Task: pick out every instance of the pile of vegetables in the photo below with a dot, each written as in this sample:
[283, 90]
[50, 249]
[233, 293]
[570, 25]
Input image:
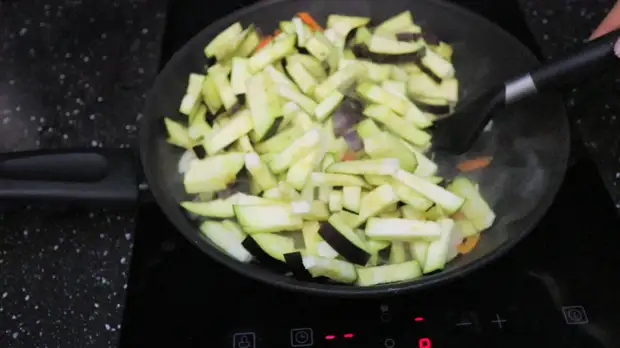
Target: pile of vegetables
[306, 150]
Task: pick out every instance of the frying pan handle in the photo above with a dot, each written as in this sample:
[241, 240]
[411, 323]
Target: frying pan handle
[102, 177]
[594, 55]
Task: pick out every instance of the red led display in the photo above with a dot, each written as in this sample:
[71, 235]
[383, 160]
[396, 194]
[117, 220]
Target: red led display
[330, 337]
[424, 343]
[349, 335]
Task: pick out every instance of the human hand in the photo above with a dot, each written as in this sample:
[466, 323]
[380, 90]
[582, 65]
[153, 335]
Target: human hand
[611, 22]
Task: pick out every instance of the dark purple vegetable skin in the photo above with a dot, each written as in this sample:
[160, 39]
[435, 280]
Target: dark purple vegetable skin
[262, 257]
[274, 128]
[241, 184]
[355, 142]
[361, 51]
[342, 245]
[428, 71]
[347, 115]
[408, 36]
[199, 151]
[295, 263]
[435, 109]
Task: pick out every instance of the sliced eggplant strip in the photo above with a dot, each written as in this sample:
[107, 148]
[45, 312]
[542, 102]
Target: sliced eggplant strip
[328, 105]
[401, 229]
[267, 218]
[223, 38]
[377, 201]
[387, 46]
[263, 257]
[297, 150]
[398, 252]
[444, 198]
[363, 51]
[212, 173]
[475, 208]
[330, 179]
[385, 166]
[294, 261]
[280, 49]
[376, 94]
[433, 106]
[258, 103]
[177, 133]
[354, 141]
[280, 141]
[260, 172]
[368, 276]
[275, 245]
[335, 201]
[437, 253]
[398, 125]
[344, 240]
[347, 115]
[240, 124]
[340, 271]
[226, 239]
[352, 196]
[396, 23]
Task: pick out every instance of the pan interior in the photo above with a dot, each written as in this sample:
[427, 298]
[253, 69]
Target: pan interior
[529, 143]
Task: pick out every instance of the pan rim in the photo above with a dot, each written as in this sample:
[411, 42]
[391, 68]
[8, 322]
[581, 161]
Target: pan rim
[182, 223]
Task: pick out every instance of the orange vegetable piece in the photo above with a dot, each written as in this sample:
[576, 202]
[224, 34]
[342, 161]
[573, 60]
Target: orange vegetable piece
[459, 216]
[264, 42]
[473, 164]
[468, 244]
[349, 156]
[307, 18]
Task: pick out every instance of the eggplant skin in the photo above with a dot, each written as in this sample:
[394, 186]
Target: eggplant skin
[295, 263]
[347, 115]
[274, 128]
[342, 245]
[262, 257]
[435, 109]
[408, 36]
[361, 51]
[428, 71]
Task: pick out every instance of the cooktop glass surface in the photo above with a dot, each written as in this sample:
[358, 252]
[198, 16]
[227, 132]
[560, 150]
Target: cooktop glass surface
[557, 288]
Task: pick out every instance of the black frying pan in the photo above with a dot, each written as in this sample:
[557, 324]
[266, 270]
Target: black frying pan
[530, 142]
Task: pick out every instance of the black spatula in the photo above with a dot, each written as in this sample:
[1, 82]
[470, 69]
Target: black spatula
[455, 133]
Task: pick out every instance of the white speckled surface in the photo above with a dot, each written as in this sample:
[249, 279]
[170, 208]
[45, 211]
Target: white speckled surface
[72, 74]
[560, 26]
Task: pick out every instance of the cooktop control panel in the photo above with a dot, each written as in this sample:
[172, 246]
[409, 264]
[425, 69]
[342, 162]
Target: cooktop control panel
[467, 328]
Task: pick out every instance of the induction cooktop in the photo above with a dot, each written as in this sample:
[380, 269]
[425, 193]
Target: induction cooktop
[557, 288]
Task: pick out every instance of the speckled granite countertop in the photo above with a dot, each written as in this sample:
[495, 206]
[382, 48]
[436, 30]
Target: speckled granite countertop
[560, 26]
[73, 74]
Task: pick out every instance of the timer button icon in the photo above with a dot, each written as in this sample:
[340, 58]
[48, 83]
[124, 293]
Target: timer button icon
[302, 337]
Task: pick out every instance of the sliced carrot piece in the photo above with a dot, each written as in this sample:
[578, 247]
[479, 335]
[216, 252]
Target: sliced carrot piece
[264, 42]
[276, 33]
[473, 164]
[349, 156]
[468, 244]
[458, 216]
[307, 18]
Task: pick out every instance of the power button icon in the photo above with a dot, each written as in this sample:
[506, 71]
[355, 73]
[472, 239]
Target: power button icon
[575, 315]
[244, 340]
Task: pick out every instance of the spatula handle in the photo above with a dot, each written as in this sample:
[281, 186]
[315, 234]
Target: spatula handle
[594, 55]
[94, 177]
